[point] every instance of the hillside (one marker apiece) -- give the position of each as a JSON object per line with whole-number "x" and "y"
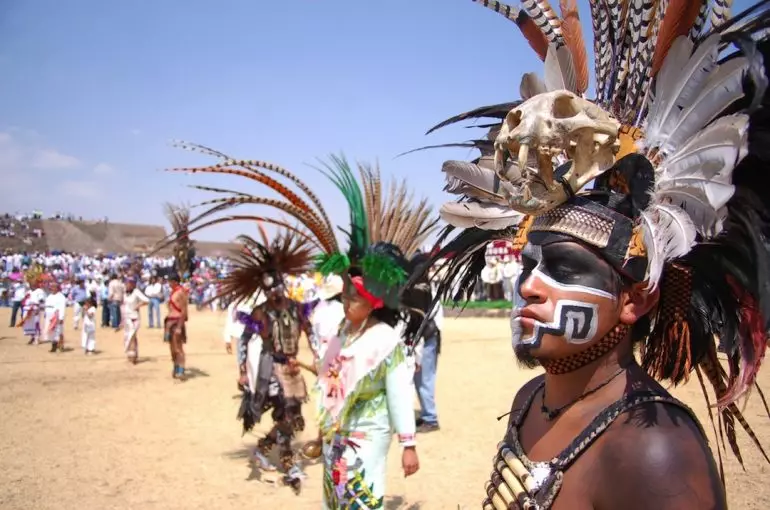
{"x": 96, "y": 237}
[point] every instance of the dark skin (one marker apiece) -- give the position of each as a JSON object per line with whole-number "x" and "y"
{"x": 653, "y": 456}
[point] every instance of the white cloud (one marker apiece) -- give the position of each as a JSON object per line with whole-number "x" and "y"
{"x": 136, "y": 132}
{"x": 32, "y": 169}
{"x": 104, "y": 169}
{"x": 52, "y": 159}
{"x": 80, "y": 189}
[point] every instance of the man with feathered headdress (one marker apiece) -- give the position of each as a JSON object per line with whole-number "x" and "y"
{"x": 364, "y": 384}
{"x": 666, "y": 250}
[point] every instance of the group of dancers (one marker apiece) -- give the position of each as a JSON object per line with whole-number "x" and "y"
{"x": 44, "y": 309}
{"x": 642, "y": 221}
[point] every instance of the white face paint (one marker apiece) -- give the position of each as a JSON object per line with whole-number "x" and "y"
{"x": 574, "y": 320}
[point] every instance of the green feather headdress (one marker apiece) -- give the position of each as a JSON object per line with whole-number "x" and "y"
{"x": 378, "y": 223}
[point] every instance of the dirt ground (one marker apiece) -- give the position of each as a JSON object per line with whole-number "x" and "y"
{"x": 81, "y": 432}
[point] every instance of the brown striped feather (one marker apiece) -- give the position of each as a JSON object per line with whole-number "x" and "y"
{"x": 310, "y": 222}
{"x": 255, "y": 175}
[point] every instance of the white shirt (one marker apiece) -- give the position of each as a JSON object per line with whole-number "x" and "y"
{"x": 154, "y": 290}
{"x": 37, "y": 296}
{"x": 89, "y": 326}
{"x": 20, "y": 292}
{"x": 132, "y": 301}
{"x": 55, "y": 305}
{"x": 325, "y": 323}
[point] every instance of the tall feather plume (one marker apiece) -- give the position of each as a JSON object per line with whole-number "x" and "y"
{"x": 698, "y": 176}
{"x": 184, "y": 247}
{"x": 531, "y": 32}
{"x": 678, "y": 19}
{"x": 700, "y": 21}
{"x": 248, "y": 218}
{"x": 287, "y": 254}
{"x": 572, "y": 33}
{"x": 682, "y": 77}
{"x": 314, "y": 217}
{"x": 338, "y": 170}
{"x": 641, "y": 58}
{"x": 376, "y": 217}
{"x": 545, "y": 18}
{"x": 602, "y": 47}
{"x": 559, "y": 69}
{"x": 222, "y": 204}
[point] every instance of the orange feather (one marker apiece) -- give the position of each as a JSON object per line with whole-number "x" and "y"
{"x": 255, "y": 175}
{"x": 311, "y": 222}
{"x": 572, "y": 33}
{"x": 532, "y": 33}
{"x": 678, "y": 19}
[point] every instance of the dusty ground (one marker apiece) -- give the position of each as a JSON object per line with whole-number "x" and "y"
{"x": 81, "y": 432}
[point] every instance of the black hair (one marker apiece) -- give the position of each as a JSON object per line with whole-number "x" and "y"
{"x": 386, "y": 315}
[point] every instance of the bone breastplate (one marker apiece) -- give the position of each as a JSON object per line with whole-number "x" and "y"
{"x": 284, "y": 330}
{"x": 519, "y": 483}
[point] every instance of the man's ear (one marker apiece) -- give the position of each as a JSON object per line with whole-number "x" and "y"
{"x": 636, "y": 302}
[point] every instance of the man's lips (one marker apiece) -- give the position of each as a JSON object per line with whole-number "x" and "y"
{"x": 527, "y": 319}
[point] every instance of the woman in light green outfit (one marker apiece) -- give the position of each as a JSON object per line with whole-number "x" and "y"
{"x": 365, "y": 394}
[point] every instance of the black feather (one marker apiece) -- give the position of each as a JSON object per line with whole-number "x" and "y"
{"x": 497, "y": 111}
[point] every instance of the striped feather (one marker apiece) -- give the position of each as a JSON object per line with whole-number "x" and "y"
{"x": 720, "y": 12}
{"x": 529, "y": 29}
{"x": 250, "y": 164}
{"x": 700, "y": 22}
{"x": 533, "y": 9}
{"x": 221, "y": 204}
{"x": 255, "y": 175}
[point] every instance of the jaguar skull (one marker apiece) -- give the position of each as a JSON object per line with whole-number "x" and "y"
{"x": 554, "y": 124}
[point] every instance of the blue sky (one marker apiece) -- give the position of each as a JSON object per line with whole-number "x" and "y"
{"x": 93, "y": 91}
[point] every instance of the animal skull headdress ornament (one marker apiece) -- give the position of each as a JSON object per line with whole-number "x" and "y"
{"x": 550, "y": 125}
{"x": 662, "y": 173}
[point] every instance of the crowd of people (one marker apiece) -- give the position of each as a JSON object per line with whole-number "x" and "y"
{"x": 666, "y": 251}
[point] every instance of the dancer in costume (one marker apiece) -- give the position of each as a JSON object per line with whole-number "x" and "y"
{"x": 666, "y": 250}
{"x": 175, "y": 325}
{"x": 365, "y": 386}
{"x": 270, "y": 376}
{"x": 133, "y": 300}
{"x": 31, "y": 305}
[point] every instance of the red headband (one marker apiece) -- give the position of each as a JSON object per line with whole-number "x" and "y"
{"x": 358, "y": 283}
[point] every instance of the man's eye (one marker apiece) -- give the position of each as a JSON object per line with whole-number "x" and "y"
{"x": 528, "y": 264}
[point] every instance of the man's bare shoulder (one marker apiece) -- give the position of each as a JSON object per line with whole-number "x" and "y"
{"x": 655, "y": 456}
{"x": 523, "y": 395}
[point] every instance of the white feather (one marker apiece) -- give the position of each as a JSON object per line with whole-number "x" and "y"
{"x": 668, "y": 234}
{"x": 559, "y": 70}
{"x": 531, "y": 85}
{"x": 469, "y": 179}
{"x": 698, "y": 177}
{"x": 676, "y": 60}
{"x": 679, "y": 89}
{"x": 724, "y": 86}
{"x": 483, "y": 216}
